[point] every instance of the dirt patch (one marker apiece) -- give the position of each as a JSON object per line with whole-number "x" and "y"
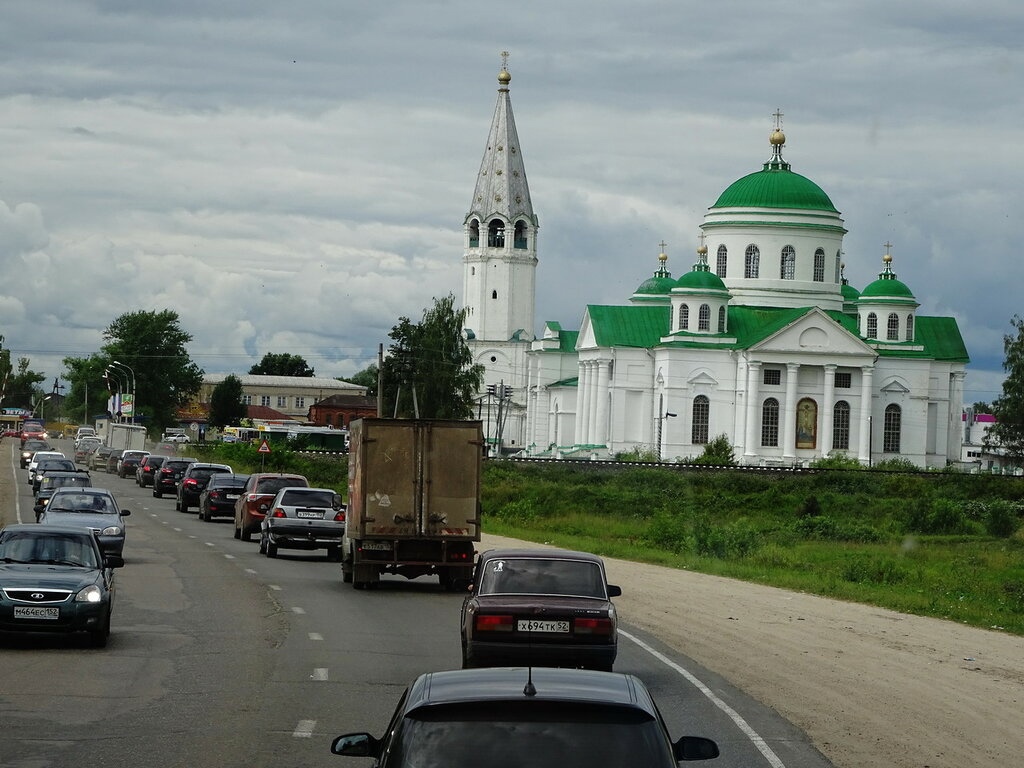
{"x": 870, "y": 687}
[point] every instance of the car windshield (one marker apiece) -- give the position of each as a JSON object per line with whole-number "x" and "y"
{"x": 542, "y": 576}
{"x": 24, "y": 547}
{"x": 307, "y": 498}
{"x": 93, "y": 503}
{"x": 538, "y": 734}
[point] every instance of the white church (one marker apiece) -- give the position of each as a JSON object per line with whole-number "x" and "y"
{"x": 762, "y": 340}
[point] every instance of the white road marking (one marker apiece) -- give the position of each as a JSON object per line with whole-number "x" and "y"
{"x": 296, "y": 609}
{"x": 210, "y": 544}
{"x": 250, "y": 570}
{"x": 274, "y": 587}
{"x": 229, "y": 557}
{"x": 320, "y": 673}
{"x": 304, "y": 729}
{"x": 315, "y": 636}
{"x": 756, "y": 739}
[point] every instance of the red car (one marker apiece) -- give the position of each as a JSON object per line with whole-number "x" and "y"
{"x": 260, "y": 489}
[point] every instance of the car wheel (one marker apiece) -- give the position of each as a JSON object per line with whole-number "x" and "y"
{"x": 334, "y": 554}
{"x": 157, "y": 493}
{"x": 183, "y": 506}
{"x": 263, "y": 545}
{"x": 98, "y": 638}
{"x": 177, "y": 504}
{"x": 271, "y": 549}
{"x": 238, "y": 532}
{"x": 245, "y": 535}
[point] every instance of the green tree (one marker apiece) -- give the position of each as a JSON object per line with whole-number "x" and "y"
{"x": 366, "y": 378}
{"x": 145, "y": 353}
{"x": 226, "y": 406}
{"x": 283, "y": 364}
{"x": 429, "y": 369}
{"x": 1007, "y": 434}
{"x": 19, "y": 385}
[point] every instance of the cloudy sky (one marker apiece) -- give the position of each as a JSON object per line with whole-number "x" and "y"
{"x": 293, "y": 176}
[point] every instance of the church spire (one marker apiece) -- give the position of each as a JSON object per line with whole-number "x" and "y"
{"x": 501, "y": 187}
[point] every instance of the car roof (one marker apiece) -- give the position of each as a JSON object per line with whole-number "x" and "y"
{"x": 544, "y": 554}
{"x": 550, "y": 684}
{"x": 89, "y": 489}
{"x": 68, "y": 473}
{"x": 47, "y": 530}
{"x": 209, "y": 465}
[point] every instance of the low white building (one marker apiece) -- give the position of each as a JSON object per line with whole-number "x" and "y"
{"x": 290, "y": 395}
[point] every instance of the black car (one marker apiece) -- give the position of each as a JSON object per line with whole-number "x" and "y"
{"x": 29, "y": 447}
{"x": 165, "y": 479}
{"x": 508, "y": 718}
{"x": 545, "y": 607}
{"x": 219, "y": 497}
{"x": 147, "y": 467}
{"x": 55, "y": 579}
{"x": 50, "y": 465}
{"x": 195, "y": 479}
{"x": 51, "y": 481}
{"x": 129, "y": 461}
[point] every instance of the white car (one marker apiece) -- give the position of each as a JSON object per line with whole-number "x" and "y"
{"x": 175, "y": 439}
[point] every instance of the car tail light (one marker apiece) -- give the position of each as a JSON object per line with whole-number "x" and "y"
{"x": 592, "y": 626}
{"x": 279, "y": 513}
{"x": 214, "y": 494}
{"x": 252, "y": 498}
{"x": 192, "y": 482}
{"x": 339, "y": 517}
{"x": 493, "y": 623}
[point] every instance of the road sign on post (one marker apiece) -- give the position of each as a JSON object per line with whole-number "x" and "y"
{"x": 263, "y": 450}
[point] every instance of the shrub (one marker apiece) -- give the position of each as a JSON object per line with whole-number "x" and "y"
{"x": 717, "y": 453}
{"x": 836, "y": 461}
{"x": 873, "y": 569}
{"x": 1001, "y": 518}
{"x": 638, "y": 453}
{"x": 669, "y": 531}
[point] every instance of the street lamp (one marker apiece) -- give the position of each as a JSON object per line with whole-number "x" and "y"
{"x": 132, "y": 372}
{"x": 111, "y": 374}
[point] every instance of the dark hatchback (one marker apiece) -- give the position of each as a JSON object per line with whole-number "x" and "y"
{"x": 545, "y": 607}
{"x": 51, "y": 481}
{"x": 147, "y": 468}
{"x": 508, "y": 718}
{"x": 45, "y": 466}
{"x": 195, "y": 479}
{"x": 55, "y": 579}
{"x": 165, "y": 479}
{"x": 219, "y": 497}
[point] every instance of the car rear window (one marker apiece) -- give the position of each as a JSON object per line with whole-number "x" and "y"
{"x": 275, "y": 484}
{"x": 542, "y": 576}
{"x": 299, "y": 498}
{"x": 549, "y": 734}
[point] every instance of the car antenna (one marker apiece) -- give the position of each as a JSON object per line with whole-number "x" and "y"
{"x": 529, "y": 689}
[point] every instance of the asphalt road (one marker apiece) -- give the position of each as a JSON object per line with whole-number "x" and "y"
{"x": 222, "y": 657}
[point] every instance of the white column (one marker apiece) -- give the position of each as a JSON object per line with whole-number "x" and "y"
{"x": 827, "y": 404}
{"x": 601, "y": 401}
{"x": 864, "y": 449}
{"x": 739, "y": 410}
{"x": 581, "y": 404}
{"x": 592, "y": 436}
{"x": 788, "y": 415}
{"x": 753, "y": 387}
{"x": 955, "y": 435}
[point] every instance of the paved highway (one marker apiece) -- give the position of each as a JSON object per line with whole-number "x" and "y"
{"x": 222, "y": 657}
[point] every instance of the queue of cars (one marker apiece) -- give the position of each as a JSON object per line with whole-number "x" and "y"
{"x": 538, "y": 628}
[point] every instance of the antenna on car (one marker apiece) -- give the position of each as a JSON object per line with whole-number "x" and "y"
{"x": 529, "y": 689}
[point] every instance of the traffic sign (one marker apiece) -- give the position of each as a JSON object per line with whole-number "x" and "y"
{"x": 264, "y": 447}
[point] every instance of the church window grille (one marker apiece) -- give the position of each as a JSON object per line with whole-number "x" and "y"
{"x": 819, "y": 266}
{"x": 684, "y": 317}
{"x": 773, "y": 376}
{"x": 893, "y": 327}
{"x": 704, "y": 318}
{"x": 910, "y": 327}
{"x": 722, "y": 262}
{"x": 474, "y": 233}
{"x": 841, "y": 426}
{"x": 844, "y": 379}
{"x": 701, "y": 420}
{"x": 752, "y": 261}
{"x": 721, "y": 319}
{"x": 872, "y": 326}
{"x": 520, "y": 236}
{"x": 787, "y": 269}
{"x": 496, "y": 234}
{"x": 770, "y": 423}
{"x": 891, "y": 429}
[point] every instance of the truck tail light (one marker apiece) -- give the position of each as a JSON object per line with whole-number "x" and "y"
{"x": 592, "y": 626}
{"x": 493, "y": 623}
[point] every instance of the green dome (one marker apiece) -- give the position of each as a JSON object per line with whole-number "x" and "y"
{"x": 656, "y": 286}
{"x": 887, "y": 288}
{"x": 775, "y": 187}
{"x": 701, "y": 280}
{"x": 850, "y": 293}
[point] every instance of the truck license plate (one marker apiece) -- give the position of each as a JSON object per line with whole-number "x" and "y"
{"x": 534, "y": 625}
{"x": 378, "y": 546}
{"x": 36, "y": 612}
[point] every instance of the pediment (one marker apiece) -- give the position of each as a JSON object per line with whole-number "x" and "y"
{"x": 815, "y": 333}
{"x": 702, "y": 379}
{"x": 587, "y": 338}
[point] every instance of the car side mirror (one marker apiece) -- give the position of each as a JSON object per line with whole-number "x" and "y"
{"x": 694, "y": 748}
{"x": 356, "y": 745}
{"x": 125, "y": 512}
{"x": 113, "y": 561}
{"x": 614, "y": 591}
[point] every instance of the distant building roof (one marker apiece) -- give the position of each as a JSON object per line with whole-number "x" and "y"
{"x": 347, "y": 401}
{"x": 307, "y": 382}
{"x": 265, "y": 413}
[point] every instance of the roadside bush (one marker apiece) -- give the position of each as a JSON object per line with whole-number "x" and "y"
{"x": 874, "y": 569}
{"x": 837, "y": 461}
{"x": 669, "y": 531}
{"x": 639, "y": 453}
{"x": 941, "y": 516}
{"x": 1001, "y": 518}
{"x": 733, "y": 540}
{"x": 519, "y": 512}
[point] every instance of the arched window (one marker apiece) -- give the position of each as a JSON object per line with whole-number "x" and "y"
{"x": 872, "y": 326}
{"x": 752, "y": 261}
{"x": 722, "y": 263}
{"x": 891, "y": 429}
{"x": 701, "y": 420}
{"x": 494, "y": 294}
{"x": 893, "y": 327}
{"x": 684, "y": 317}
{"x": 474, "y": 233}
{"x": 496, "y": 234}
{"x": 819, "y": 266}
{"x": 704, "y": 318}
{"x": 787, "y": 266}
{"x": 520, "y": 237}
{"x": 721, "y": 319}
{"x": 910, "y": 327}
{"x": 770, "y": 423}
{"x": 841, "y": 426}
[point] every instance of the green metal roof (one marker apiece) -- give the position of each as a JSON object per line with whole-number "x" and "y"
{"x": 702, "y": 280}
{"x": 890, "y": 287}
{"x": 656, "y": 285}
{"x": 849, "y": 292}
{"x": 775, "y": 187}
{"x": 636, "y": 326}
